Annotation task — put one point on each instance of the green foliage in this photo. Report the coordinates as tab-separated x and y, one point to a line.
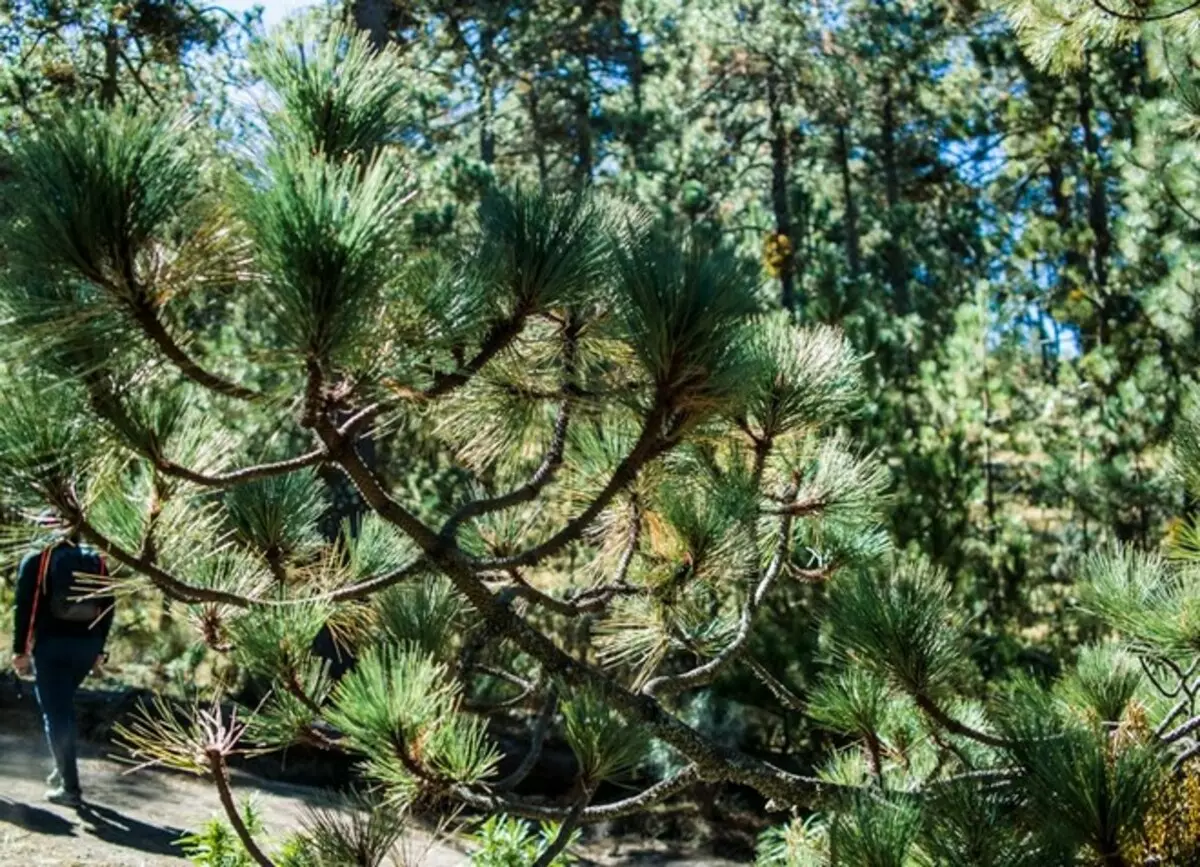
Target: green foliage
400	709
969	826
801	378
1085	787
425	614
337	96
1148	600
876	832
541	252
98	190
502	841
359	832
685	310
901	625
1104	681
797	844
854	701
277	516
606	745
217	844
327	240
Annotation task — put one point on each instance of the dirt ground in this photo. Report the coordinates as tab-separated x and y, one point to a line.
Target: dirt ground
134	819
131	820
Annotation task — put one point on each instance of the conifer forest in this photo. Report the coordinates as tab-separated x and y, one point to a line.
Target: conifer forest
770	428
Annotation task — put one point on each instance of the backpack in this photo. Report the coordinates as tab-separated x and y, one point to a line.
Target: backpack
63	577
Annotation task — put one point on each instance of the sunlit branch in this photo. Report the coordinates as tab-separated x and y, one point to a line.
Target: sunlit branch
497	802
650	444
704	673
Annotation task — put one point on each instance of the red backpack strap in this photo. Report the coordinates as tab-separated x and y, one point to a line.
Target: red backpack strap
43	568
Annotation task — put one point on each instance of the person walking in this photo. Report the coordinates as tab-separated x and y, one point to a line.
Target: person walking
59	632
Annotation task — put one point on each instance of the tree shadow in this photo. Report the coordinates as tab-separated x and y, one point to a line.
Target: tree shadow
35	819
105	823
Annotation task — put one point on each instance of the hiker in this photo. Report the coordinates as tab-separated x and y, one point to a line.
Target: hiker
59	632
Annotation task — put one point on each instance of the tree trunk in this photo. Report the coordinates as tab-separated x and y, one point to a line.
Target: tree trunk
893	251
853	252
112	53
487	128
1097	193
533	106
372	17
584	158
780	171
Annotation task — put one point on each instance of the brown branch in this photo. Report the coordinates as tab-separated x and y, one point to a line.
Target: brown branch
717	762
525	493
494	802
240	477
875	758
785	696
1181	731
1142	17
157	333
566	829
649	445
163	580
216	765
500	336
797	509
551	463
537	740
704	673
939	716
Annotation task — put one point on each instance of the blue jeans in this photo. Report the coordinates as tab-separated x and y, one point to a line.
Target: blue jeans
60	664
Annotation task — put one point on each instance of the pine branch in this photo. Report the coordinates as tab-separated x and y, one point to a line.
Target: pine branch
717	762
501	334
1143	17
371	586
220	773
566	829
785	696
171	586
234	478
527	492
939	716
650	444
551	463
157	333
494	802
1181	731
704	673
537	740
348	430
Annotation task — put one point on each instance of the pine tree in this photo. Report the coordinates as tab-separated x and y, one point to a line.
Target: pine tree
651	461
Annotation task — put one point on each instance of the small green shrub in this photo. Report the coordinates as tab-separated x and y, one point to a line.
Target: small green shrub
502	841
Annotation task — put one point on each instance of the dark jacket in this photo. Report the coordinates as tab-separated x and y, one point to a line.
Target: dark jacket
64	556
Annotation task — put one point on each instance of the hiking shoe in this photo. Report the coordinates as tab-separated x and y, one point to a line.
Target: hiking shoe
63	798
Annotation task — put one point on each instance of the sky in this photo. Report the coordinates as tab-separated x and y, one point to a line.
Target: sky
274	11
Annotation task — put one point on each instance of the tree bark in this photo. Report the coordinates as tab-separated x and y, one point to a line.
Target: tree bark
112	54
780	172
371	16
584	157
487	126
1097	193
853	251
893	251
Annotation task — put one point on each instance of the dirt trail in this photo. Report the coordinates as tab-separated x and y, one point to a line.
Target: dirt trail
132	820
